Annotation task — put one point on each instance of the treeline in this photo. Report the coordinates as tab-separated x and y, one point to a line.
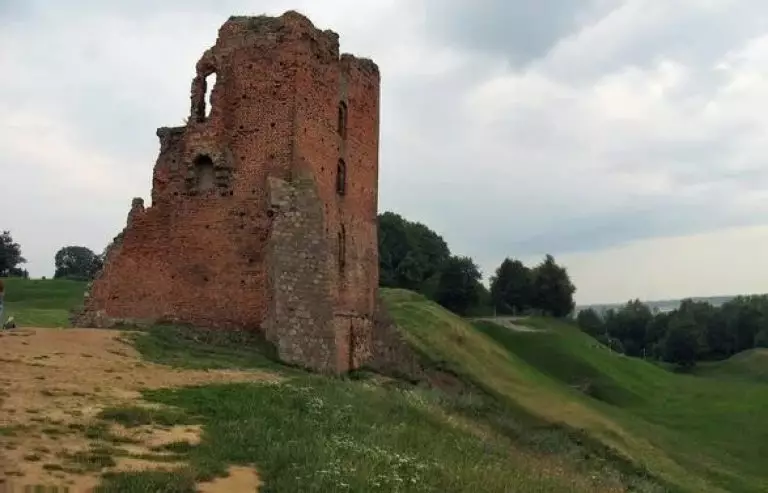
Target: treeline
10	257
71	262
695	331
412	256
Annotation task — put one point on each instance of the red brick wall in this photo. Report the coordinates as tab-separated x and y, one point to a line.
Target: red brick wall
199	256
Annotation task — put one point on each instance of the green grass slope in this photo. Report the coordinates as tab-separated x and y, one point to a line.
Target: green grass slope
748	365
696	434
314	434
42	303
546	410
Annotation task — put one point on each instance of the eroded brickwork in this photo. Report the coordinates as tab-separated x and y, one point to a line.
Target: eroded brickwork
263	213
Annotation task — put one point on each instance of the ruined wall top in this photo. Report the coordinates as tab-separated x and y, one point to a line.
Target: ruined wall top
243	31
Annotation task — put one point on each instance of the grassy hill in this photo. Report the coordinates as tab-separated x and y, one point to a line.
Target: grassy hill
42	303
748	365
693	433
542	410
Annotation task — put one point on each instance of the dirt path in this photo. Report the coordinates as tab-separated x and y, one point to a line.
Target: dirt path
510	323
52	385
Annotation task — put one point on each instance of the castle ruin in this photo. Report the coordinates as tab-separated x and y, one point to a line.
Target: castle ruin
263	214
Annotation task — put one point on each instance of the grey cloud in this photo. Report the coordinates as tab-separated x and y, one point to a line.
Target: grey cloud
642	32
521	30
618	33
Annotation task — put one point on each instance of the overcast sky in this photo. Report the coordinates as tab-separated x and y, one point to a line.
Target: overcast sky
629	138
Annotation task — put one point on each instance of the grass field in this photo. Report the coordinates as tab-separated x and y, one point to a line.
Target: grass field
552	410
42	303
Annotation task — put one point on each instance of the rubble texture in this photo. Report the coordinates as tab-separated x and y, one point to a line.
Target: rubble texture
263	214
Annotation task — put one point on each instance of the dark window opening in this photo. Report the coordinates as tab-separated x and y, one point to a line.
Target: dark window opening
341	177
342	123
342	248
204	173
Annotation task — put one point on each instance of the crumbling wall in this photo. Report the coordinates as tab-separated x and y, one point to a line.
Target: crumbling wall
247	228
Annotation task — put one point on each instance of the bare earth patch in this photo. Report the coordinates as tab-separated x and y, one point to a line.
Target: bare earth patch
510	323
53	383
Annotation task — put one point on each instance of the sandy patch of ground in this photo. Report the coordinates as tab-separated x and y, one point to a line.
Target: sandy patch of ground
52	385
239	479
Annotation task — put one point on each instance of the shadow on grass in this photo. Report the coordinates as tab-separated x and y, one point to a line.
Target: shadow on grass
194	348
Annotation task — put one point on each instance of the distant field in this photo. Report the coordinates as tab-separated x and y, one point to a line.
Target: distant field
42	303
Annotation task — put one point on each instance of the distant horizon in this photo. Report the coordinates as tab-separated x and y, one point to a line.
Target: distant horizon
668	300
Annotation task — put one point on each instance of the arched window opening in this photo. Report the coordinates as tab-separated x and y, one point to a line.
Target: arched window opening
342	123
210	83
204	173
341	177
342	248
202	92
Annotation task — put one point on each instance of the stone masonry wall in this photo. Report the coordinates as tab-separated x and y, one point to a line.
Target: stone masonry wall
299	321
212	251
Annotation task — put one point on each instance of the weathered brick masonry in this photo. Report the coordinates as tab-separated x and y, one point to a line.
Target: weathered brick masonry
263	213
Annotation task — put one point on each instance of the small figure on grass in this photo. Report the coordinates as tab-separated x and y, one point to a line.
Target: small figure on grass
2	296
4	324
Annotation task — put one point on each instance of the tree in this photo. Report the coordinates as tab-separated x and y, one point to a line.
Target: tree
511	287
76	262
590	322
552	289
411	255
680	345
655	333
703	315
10	257
630	325
459	286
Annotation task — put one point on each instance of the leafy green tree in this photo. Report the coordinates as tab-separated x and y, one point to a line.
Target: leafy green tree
703	315
552	289
719	335
629	325
655	333
511	287
680	345
411	255
747	317
459	286
590	322
10	257
76	262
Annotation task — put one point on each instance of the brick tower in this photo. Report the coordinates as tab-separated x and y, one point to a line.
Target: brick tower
263	213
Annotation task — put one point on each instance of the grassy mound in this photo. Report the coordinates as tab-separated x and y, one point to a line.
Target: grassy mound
747	365
42	303
695	434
